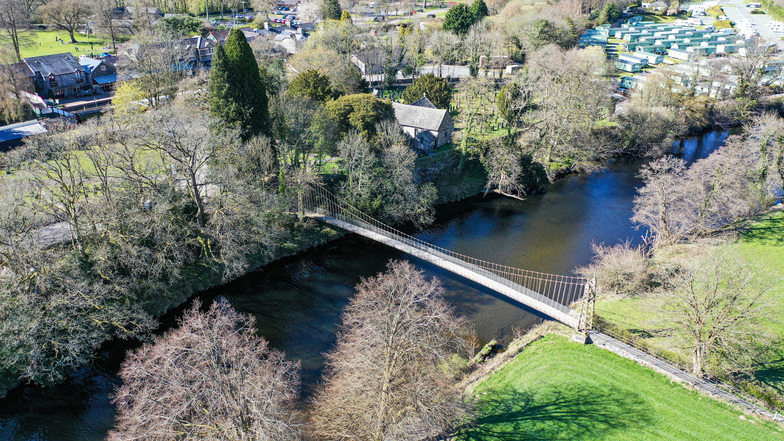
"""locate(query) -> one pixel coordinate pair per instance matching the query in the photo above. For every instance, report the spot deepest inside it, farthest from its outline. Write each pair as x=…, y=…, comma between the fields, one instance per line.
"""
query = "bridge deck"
x=471, y=272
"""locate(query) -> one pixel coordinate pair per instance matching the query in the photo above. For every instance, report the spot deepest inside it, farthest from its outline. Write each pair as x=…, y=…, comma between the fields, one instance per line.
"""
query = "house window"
x=103, y=68
x=52, y=81
x=78, y=75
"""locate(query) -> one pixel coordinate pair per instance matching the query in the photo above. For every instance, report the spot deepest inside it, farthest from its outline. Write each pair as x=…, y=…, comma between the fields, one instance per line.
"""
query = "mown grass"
x=43, y=43
x=559, y=390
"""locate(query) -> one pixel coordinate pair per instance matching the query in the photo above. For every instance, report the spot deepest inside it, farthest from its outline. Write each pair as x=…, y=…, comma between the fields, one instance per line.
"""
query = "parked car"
x=431, y=15
x=420, y=10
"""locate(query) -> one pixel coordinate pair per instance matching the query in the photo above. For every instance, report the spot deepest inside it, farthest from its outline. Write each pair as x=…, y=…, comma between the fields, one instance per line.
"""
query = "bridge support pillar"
x=585, y=323
x=581, y=337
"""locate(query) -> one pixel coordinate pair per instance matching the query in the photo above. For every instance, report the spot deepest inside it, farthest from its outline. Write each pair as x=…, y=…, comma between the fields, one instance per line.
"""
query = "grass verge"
x=560, y=390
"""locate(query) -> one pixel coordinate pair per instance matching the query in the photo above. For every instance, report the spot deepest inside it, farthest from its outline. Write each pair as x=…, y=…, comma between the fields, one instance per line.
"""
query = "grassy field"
x=43, y=43
x=761, y=239
x=560, y=390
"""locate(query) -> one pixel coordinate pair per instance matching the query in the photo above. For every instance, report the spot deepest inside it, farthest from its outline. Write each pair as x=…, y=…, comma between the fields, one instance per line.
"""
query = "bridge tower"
x=585, y=323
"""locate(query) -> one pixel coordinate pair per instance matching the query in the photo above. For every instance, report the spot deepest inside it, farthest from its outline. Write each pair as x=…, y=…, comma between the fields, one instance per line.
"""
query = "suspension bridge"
x=552, y=295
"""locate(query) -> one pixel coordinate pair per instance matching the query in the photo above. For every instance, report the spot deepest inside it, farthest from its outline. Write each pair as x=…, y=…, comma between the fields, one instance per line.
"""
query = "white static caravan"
x=679, y=54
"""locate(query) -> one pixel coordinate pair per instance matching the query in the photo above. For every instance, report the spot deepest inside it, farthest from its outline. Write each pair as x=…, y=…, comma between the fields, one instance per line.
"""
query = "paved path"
x=626, y=351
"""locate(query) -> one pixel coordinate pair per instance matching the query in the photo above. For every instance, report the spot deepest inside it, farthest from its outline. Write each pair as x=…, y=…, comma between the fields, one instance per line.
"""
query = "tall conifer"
x=330, y=10
x=237, y=95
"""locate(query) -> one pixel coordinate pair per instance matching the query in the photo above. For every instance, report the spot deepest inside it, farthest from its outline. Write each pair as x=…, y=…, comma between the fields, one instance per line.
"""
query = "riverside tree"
x=237, y=95
x=716, y=309
x=211, y=378
x=385, y=378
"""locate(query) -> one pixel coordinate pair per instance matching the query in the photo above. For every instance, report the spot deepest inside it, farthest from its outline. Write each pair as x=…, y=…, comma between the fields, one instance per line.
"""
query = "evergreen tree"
x=609, y=14
x=237, y=96
x=437, y=90
x=479, y=10
x=330, y=10
x=311, y=84
x=458, y=19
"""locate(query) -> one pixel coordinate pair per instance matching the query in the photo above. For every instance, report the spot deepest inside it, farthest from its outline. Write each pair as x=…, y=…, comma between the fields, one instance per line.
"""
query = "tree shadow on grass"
x=771, y=373
x=769, y=231
x=569, y=412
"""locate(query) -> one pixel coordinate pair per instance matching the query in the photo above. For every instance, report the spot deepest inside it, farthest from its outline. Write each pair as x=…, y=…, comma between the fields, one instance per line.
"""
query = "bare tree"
x=383, y=379
x=211, y=378
x=442, y=45
x=155, y=66
x=751, y=66
x=183, y=144
x=717, y=305
x=619, y=270
x=13, y=25
x=13, y=80
x=66, y=14
x=107, y=21
x=659, y=203
x=572, y=95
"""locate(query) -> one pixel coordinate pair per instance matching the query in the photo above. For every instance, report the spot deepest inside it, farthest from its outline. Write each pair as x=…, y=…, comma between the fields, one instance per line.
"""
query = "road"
x=735, y=11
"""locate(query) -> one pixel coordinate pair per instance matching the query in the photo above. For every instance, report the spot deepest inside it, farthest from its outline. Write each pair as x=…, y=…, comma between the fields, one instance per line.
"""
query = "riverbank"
x=634, y=318
x=559, y=389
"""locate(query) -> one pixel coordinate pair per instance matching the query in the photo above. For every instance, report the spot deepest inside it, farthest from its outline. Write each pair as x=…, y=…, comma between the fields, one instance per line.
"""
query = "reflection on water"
x=298, y=301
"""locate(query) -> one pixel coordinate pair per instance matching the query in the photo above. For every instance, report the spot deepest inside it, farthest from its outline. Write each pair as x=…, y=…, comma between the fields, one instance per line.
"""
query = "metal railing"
x=556, y=291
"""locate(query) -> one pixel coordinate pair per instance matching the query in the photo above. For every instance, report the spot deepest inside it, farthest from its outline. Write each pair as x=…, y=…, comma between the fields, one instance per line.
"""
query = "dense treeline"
x=154, y=202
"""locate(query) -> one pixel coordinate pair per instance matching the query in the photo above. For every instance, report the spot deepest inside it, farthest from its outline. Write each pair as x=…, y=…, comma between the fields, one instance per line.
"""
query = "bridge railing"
x=557, y=291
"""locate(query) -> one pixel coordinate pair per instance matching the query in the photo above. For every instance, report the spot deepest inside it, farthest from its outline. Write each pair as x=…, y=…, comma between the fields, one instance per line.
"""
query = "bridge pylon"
x=585, y=323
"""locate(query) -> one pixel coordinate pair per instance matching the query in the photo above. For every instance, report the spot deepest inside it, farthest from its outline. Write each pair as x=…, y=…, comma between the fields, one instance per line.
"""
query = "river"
x=297, y=301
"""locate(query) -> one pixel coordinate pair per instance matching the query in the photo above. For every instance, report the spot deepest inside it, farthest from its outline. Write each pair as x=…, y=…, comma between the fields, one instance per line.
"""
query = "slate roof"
x=424, y=102
x=196, y=42
x=419, y=117
x=89, y=64
x=16, y=131
x=57, y=64
x=306, y=27
x=218, y=36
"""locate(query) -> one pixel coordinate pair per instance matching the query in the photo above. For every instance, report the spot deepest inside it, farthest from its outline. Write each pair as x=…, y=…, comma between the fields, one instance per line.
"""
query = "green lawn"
x=44, y=44
x=559, y=390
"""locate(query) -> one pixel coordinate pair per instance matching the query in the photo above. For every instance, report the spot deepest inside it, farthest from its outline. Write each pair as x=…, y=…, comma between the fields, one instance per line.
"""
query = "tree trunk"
x=71, y=33
x=697, y=360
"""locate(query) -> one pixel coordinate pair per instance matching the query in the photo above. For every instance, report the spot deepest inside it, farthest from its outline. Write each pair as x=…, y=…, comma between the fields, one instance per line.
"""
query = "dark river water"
x=297, y=301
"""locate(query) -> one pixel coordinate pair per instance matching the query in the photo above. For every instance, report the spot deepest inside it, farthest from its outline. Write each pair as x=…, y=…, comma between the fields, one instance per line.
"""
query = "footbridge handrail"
x=557, y=291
